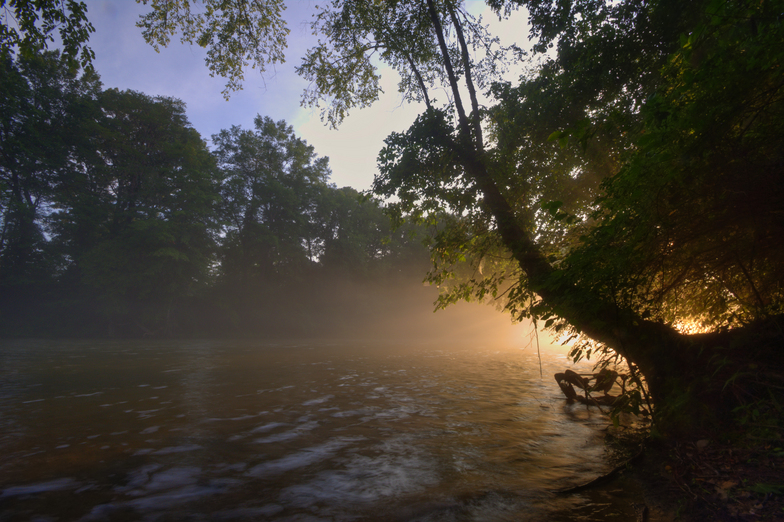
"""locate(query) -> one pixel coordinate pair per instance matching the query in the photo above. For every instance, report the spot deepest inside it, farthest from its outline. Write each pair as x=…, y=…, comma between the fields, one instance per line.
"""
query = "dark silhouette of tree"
x=271, y=184
x=43, y=101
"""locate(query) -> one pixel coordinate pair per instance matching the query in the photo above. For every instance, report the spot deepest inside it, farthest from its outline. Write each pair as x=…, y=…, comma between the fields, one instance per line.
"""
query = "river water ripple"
x=300, y=431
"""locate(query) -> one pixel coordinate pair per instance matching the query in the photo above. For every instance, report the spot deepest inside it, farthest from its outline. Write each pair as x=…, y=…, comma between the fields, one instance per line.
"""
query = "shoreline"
x=694, y=481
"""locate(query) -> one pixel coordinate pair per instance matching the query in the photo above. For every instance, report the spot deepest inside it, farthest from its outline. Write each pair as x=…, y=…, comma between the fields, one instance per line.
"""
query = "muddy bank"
x=691, y=481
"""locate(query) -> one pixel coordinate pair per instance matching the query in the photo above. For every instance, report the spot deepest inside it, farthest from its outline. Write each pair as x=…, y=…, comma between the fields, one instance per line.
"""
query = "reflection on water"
x=292, y=431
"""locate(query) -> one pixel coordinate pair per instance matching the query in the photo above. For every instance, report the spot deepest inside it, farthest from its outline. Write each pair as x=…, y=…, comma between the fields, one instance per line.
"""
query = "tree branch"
x=475, y=119
x=419, y=80
x=465, y=129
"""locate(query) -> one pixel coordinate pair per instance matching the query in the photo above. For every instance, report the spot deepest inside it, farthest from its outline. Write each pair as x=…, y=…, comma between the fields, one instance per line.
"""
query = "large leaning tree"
x=627, y=189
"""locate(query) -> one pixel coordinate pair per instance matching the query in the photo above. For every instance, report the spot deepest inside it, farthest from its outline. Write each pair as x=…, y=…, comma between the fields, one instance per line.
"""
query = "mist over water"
x=292, y=430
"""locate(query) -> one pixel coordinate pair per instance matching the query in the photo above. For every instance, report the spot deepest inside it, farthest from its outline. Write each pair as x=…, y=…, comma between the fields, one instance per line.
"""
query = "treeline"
x=117, y=220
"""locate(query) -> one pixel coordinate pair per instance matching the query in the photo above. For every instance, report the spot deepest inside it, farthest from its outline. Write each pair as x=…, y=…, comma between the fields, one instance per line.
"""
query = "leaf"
x=557, y=135
x=767, y=489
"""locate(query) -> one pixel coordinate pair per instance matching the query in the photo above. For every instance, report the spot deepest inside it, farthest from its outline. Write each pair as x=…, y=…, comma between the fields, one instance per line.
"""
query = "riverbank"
x=724, y=480
x=740, y=478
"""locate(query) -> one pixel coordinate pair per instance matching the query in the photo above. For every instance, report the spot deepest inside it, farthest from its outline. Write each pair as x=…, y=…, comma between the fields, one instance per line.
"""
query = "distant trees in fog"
x=116, y=219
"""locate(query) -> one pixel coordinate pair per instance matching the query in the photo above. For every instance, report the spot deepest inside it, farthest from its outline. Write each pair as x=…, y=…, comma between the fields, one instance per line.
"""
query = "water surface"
x=305, y=431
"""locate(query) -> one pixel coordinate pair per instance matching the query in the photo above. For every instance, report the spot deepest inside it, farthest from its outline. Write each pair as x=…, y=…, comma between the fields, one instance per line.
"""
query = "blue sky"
x=125, y=61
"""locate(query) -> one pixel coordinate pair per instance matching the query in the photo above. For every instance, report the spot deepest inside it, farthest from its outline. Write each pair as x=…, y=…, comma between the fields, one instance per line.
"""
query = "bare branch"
x=468, y=78
x=465, y=128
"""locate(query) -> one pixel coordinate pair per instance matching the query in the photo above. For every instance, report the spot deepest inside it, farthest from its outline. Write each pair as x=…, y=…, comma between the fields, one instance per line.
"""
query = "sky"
x=125, y=61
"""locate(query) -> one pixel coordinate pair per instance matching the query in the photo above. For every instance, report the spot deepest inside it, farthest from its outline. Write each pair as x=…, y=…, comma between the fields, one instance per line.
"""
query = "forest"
x=117, y=221
x=625, y=192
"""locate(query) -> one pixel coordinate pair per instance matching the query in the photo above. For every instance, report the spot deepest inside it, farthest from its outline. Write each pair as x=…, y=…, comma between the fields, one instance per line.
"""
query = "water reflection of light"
x=331, y=429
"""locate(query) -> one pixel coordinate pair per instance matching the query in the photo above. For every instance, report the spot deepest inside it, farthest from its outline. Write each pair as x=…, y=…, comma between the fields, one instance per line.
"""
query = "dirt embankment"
x=702, y=480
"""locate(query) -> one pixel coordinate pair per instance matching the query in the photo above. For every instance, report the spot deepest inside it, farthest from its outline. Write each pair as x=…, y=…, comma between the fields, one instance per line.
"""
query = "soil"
x=705, y=480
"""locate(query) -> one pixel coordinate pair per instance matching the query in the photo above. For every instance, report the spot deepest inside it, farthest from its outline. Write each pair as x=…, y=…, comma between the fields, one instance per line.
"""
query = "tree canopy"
x=627, y=189
x=248, y=33
x=27, y=27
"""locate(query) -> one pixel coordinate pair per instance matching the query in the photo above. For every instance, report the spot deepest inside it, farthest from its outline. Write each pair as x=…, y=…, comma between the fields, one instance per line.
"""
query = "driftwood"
x=604, y=381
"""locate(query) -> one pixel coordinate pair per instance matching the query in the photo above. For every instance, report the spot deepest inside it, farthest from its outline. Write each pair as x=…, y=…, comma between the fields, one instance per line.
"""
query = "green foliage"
x=27, y=27
x=652, y=206
x=43, y=102
x=272, y=182
x=137, y=219
x=419, y=167
x=627, y=188
x=289, y=238
x=355, y=233
x=689, y=230
x=117, y=220
x=658, y=188
x=342, y=68
x=235, y=34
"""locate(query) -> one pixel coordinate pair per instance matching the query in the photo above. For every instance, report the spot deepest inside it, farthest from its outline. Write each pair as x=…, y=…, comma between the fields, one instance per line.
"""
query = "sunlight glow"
x=689, y=327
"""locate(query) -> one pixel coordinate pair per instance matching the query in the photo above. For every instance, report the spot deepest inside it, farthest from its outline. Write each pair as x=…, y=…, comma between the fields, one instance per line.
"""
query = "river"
x=299, y=431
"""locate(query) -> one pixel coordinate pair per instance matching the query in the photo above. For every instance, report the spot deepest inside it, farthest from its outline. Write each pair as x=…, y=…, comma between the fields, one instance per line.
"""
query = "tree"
x=702, y=243
x=353, y=230
x=44, y=101
x=271, y=184
x=645, y=106
x=297, y=254
x=105, y=196
x=137, y=218
x=626, y=292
